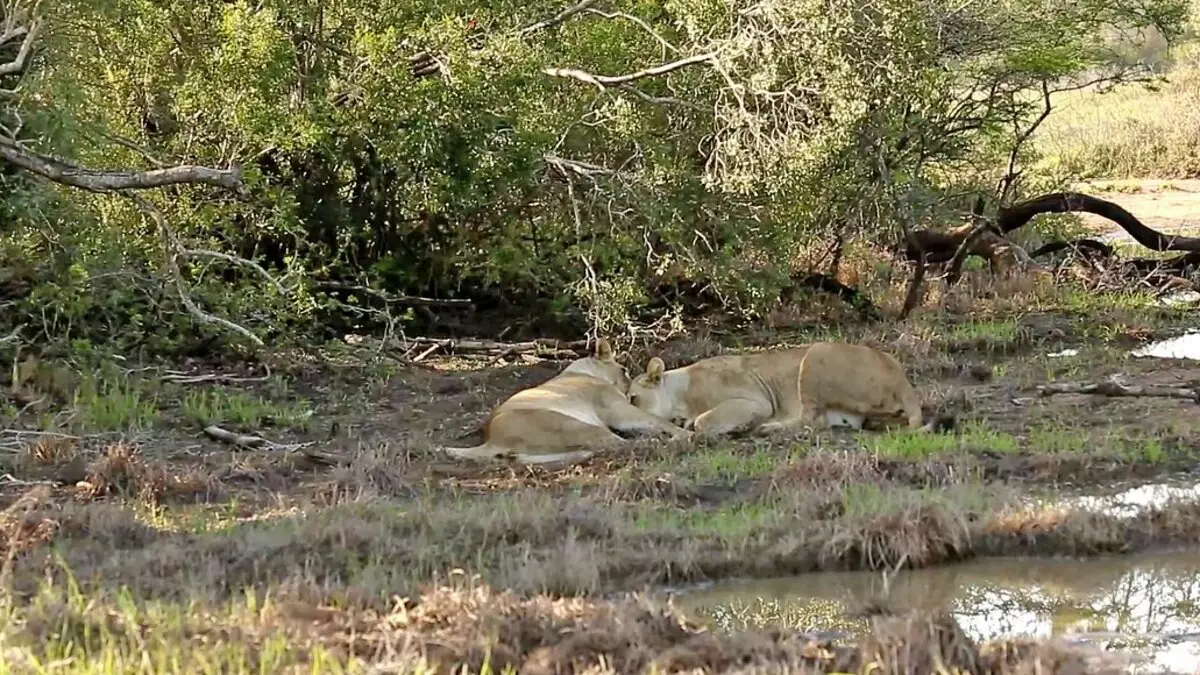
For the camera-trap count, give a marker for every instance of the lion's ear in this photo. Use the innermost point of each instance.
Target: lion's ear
(654, 370)
(604, 350)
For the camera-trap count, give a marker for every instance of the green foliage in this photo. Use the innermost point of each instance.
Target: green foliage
(497, 181)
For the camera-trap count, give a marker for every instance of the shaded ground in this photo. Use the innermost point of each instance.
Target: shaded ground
(118, 491)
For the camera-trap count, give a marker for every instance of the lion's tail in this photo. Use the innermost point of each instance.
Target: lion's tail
(481, 451)
(489, 451)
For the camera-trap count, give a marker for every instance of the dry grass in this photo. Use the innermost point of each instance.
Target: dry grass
(1130, 132)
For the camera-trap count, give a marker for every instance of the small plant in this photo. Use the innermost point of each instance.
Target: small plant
(116, 404)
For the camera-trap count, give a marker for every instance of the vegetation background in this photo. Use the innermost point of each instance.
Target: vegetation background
(401, 157)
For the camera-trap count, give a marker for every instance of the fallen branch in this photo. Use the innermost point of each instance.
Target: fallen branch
(488, 347)
(179, 377)
(12, 30)
(247, 441)
(1113, 388)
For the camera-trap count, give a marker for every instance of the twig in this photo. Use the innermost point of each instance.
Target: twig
(29, 432)
(1113, 388)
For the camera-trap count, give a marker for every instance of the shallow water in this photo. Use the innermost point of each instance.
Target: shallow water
(1186, 346)
(1147, 606)
(1126, 500)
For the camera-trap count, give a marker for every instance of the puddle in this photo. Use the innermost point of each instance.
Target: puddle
(1184, 298)
(1124, 501)
(1186, 346)
(1145, 606)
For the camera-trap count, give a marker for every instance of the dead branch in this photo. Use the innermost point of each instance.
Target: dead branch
(65, 173)
(541, 347)
(603, 81)
(1112, 387)
(179, 377)
(247, 441)
(14, 30)
(173, 250)
(558, 18)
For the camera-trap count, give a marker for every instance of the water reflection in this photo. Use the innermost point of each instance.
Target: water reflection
(1186, 346)
(1126, 501)
(1149, 604)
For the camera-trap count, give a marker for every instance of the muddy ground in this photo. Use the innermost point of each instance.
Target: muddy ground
(123, 516)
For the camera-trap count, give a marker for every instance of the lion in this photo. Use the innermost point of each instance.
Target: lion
(567, 418)
(839, 384)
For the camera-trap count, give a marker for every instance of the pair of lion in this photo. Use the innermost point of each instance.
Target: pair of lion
(574, 414)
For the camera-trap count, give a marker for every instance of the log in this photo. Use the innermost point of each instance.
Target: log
(1115, 389)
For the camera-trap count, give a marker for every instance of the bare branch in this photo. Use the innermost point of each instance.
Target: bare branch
(18, 64)
(1010, 176)
(603, 81)
(173, 250)
(558, 18)
(65, 173)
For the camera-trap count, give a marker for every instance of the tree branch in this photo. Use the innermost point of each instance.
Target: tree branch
(603, 81)
(558, 18)
(65, 173)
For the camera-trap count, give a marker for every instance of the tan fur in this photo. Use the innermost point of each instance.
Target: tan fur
(830, 383)
(567, 418)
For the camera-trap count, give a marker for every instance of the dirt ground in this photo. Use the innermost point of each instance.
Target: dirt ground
(1169, 206)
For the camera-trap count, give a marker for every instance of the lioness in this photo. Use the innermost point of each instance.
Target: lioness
(837, 383)
(568, 417)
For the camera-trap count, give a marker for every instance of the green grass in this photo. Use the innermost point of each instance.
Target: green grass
(118, 404)
(218, 406)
